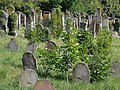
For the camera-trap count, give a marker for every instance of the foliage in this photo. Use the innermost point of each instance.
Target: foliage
(81, 46)
(56, 22)
(12, 23)
(39, 34)
(100, 63)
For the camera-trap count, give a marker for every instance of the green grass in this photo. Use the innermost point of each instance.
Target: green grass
(11, 68)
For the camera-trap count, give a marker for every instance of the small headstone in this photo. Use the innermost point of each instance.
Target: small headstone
(28, 78)
(12, 45)
(116, 70)
(50, 45)
(29, 61)
(31, 47)
(81, 73)
(43, 85)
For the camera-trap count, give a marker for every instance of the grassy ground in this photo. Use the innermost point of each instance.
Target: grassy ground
(11, 68)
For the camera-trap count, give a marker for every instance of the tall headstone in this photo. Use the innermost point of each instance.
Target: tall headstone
(63, 21)
(32, 13)
(81, 73)
(19, 20)
(23, 19)
(98, 22)
(43, 85)
(28, 78)
(105, 21)
(28, 26)
(79, 20)
(29, 61)
(12, 45)
(31, 47)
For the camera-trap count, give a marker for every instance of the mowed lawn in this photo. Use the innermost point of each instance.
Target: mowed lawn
(11, 68)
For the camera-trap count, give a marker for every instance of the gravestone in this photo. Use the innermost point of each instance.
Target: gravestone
(32, 13)
(81, 73)
(4, 21)
(28, 26)
(19, 20)
(98, 21)
(23, 19)
(43, 85)
(29, 61)
(31, 47)
(12, 45)
(28, 78)
(105, 21)
(63, 20)
(10, 9)
(116, 70)
(50, 45)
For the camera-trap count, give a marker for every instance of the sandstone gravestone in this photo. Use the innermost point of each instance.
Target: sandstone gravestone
(28, 78)
(31, 47)
(116, 70)
(43, 85)
(50, 45)
(12, 45)
(81, 73)
(29, 61)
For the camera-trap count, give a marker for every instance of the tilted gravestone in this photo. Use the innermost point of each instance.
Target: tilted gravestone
(31, 47)
(28, 78)
(81, 73)
(43, 85)
(12, 45)
(116, 70)
(50, 45)
(29, 61)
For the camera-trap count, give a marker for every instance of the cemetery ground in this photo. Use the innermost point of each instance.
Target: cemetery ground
(11, 68)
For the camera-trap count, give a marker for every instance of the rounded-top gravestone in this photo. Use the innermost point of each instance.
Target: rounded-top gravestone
(12, 45)
(43, 85)
(28, 78)
(81, 73)
(29, 61)
(50, 45)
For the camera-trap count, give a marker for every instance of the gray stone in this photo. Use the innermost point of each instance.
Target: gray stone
(43, 85)
(105, 21)
(50, 45)
(81, 73)
(116, 70)
(12, 45)
(31, 47)
(28, 78)
(29, 61)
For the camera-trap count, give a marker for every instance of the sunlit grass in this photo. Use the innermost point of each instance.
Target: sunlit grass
(11, 68)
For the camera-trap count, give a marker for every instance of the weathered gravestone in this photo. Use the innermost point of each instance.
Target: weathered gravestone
(31, 47)
(81, 73)
(116, 70)
(50, 45)
(28, 78)
(105, 21)
(12, 45)
(43, 85)
(29, 61)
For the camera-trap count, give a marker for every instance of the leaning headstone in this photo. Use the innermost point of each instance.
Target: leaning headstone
(12, 45)
(31, 47)
(116, 70)
(29, 61)
(50, 45)
(81, 73)
(43, 85)
(28, 78)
